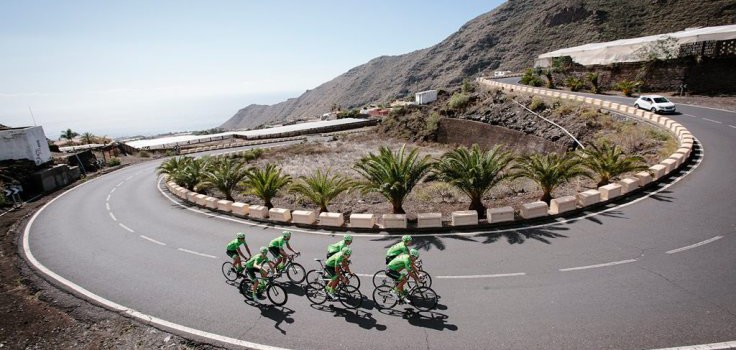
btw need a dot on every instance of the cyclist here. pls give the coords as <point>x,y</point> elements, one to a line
<point>276,247</point>
<point>395,267</point>
<point>233,251</point>
<point>256,264</point>
<point>332,249</point>
<point>335,267</point>
<point>398,248</point>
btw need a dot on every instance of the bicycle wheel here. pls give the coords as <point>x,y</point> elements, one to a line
<point>427,280</point>
<point>313,276</point>
<point>350,296</point>
<point>316,293</point>
<point>277,294</point>
<point>353,279</point>
<point>383,297</point>
<point>296,273</point>
<point>379,278</point>
<point>423,298</point>
<point>228,270</point>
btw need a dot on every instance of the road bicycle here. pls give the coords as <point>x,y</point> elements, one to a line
<point>420,297</point>
<point>348,295</point>
<point>380,277</point>
<point>294,271</point>
<point>230,273</point>
<point>274,291</point>
<point>314,275</point>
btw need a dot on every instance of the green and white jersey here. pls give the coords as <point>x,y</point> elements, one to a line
<point>334,248</point>
<point>398,248</point>
<point>277,242</point>
<point>335,260</point>
<point>400,262</point>
<point>234,244</point>
<point>257,259</point>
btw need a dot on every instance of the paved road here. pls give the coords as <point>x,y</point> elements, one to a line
<point>654,273</point>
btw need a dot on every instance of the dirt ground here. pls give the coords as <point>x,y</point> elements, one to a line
<point>38,315</point>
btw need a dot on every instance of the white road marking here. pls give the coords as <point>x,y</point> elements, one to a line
<point>108,198</point>
<point>689,115</point>
<point>126,227</point>
<point>113,190</point>
<point>196,253</point>
<point>673,251</point>
<point>613,263</point>
<point>120,184</point>
<point>711,346</point>
<point>108,206</point>
<point>732,126</point>
<point>711,120</point>
<point>485,276</point>
<point>115,306</point>
<point>152,240</point>
<point>112,216</point>
<point>128,178</point>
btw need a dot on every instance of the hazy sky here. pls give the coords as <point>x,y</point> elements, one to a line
<point>142,67</point>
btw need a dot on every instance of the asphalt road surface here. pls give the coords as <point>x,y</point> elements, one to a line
<point>657,272</point>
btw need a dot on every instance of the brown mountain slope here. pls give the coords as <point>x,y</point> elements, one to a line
<point>509,37</point>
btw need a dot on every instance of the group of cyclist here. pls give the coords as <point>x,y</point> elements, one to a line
<point>400,261</point>
<point>259,263</point>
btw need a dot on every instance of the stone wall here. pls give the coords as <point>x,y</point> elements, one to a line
<point>468,132</point>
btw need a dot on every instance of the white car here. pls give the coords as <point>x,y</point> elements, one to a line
<point>655,104</point>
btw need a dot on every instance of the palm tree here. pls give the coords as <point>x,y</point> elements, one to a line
<point>474,172</point>
<point>88,138</point>
<point>393,175</point>
<point>321,188</point>
<point>265,183</point>
<point>185,171</point>
<point>609,161</point>
<point>225,174</point>
<point>549,171</point>
<point>68,134</point>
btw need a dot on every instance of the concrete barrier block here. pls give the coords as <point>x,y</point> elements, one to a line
<point>580,98</point>
<point>644,178</point>
<point>588,100</point>
<point>609,191</point>
<point>279,214</point>
<point>534,210</point>
<point>240,208</point>
<point>331,219</point>
<point>606,104</point>
<point>394,221</point>
<point>685,151</point>
<point>211,202</point>
<point>502,214</point>
<point>658,171</point>
<point>225,205</point>
<point>556,94</point>
<point>182,193</point>
<point>669,123</point>
<point>679,158</point>
<point>258,211</point>
<point>671,164</point>
<point>464,218</point>
<point>629,184</point>
<point>362,220</point>
<point>307,217</point>
<point>192,197</point>
<point>562,204</point>
<point>588,197</point>
<point>429,220</point>
<point>597,102</point>
<point>200,199</point>
<point>631,110</point>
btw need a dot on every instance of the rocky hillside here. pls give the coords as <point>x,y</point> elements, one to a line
<point>509,37</point>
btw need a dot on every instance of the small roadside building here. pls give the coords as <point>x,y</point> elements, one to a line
<point>425,97</point>
<point>24,143</point>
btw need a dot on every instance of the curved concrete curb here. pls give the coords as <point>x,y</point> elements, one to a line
<point>497,217</point>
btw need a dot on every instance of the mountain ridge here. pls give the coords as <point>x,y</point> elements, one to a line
<point>508,37</point>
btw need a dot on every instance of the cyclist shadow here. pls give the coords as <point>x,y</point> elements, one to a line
<point>427,319</point>
<point>279,314</point>
<point>294,289</point>
<point>363,319</point>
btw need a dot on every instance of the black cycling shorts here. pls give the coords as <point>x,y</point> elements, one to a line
<point>232,253</point>
<point>330,271</point>
<point>252,272</point>
<point>330,254</point>
<point>276,252</point>
<point>395,275</point>
<point>389,258</point>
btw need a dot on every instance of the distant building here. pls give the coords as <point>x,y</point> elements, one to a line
<point>24,143</point>
<point>424,97</point>
<point>501,73</point>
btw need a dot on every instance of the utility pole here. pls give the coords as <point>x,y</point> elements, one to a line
<point>32,117</point>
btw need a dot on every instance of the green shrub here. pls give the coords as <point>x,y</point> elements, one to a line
<point>531,77</point>
<point>144,154</point>
<point>433,121</point>
<point>574,83</point>
<point>113,161</point>
<point>458,101</point>
<point>658,134</point>
<point>627,87</point>
<point>537,104</point>
<point>593,79</point>
<point>438,191</point>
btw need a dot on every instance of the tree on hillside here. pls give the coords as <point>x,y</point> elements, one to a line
<point>225,174</point>
<point>265,183</point>
<point>321,187</point>
<point>68,134</point>
<point>609,161</point>
<point>88,138</point>
<point>550,171</point>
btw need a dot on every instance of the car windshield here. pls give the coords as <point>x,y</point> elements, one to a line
<point>660,100</point>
